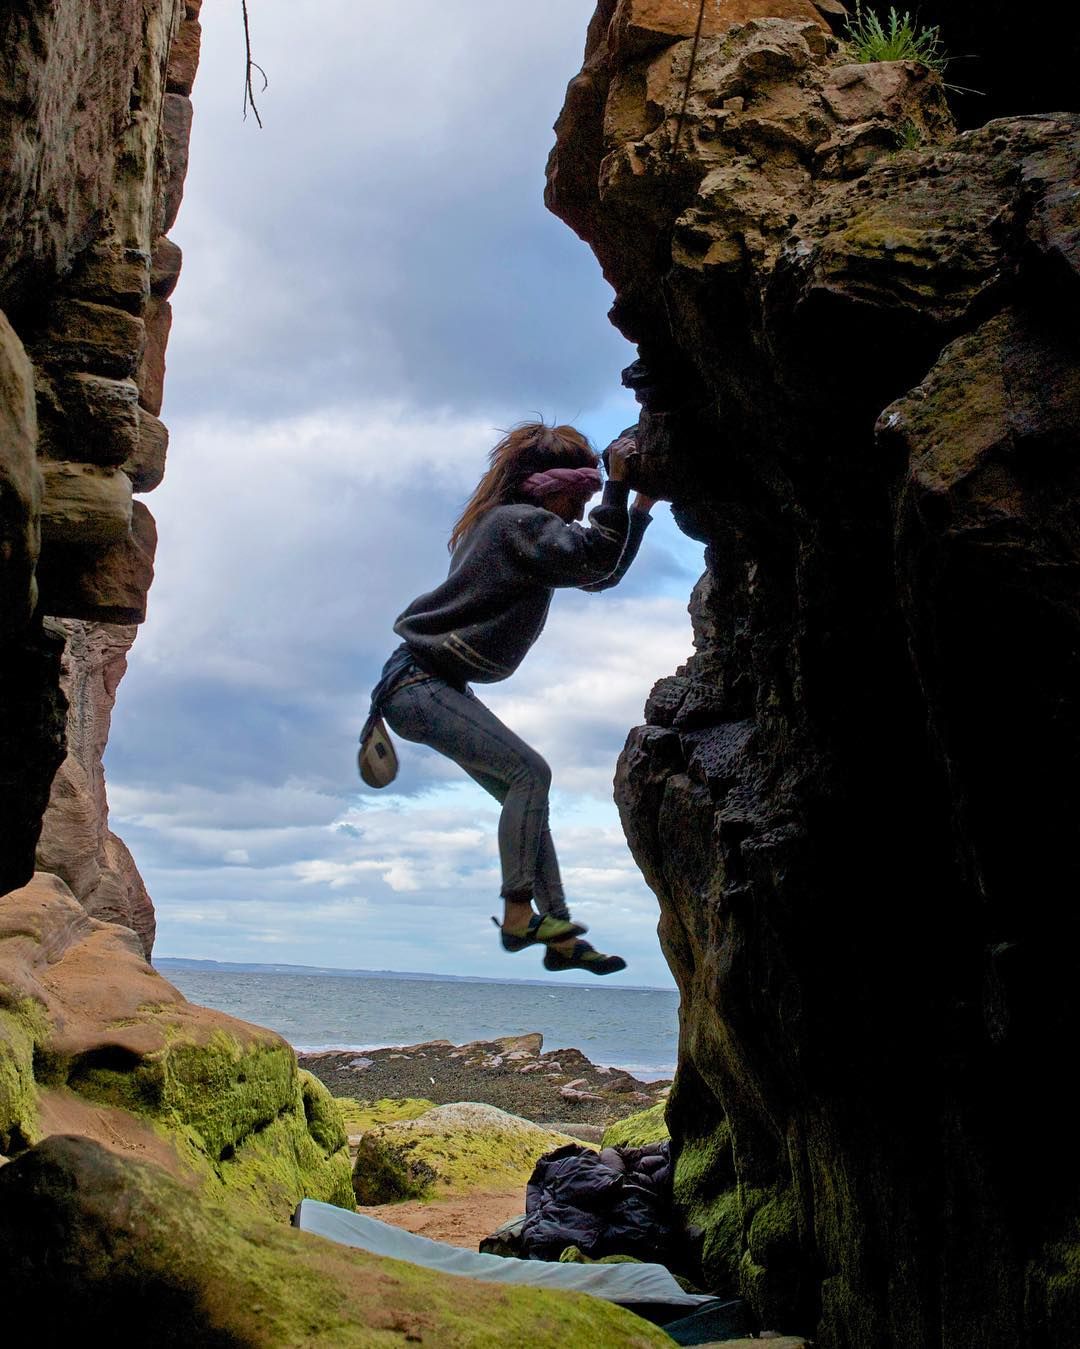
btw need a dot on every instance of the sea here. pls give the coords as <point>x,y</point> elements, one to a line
<point>318,1009</point>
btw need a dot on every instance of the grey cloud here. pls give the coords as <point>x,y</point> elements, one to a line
<point>385,232</point>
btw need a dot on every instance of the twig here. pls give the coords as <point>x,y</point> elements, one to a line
<point>686,86</point>
<point>249,92</point>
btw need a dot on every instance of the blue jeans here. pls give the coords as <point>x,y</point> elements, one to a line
<point>456,723</point>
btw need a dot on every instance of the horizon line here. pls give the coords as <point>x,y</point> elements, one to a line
<point>273,967</point>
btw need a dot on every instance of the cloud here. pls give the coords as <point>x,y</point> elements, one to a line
<point>371,292</point>
<point>384,233</point>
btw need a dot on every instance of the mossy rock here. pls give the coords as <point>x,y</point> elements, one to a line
<point>22,1025</point>
<point>90,1032</point>
<point>707,1196</point>
<point>638,1131</point>
<point>360,1116</point>
<point>574,1255</point>
<point>451,1149</point>
<point>141,1250</point>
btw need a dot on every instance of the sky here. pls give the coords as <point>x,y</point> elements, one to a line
<point>372,291</point>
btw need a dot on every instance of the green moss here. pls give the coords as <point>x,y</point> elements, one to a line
<point>449,1150</point>
<point>636,1131</point>
<point>22,1025</point>
<point>774,1230</point>
<point>1053,1296</point>
<point>574,1255</point>
<point>325,1119</point>
<point>705,1168</point>
<point>722,1223</point>
<point>359,1116</point>
<point>386,1173</point>
<point>282,1164</point>
<point>708,1198</point>
<point>243,1117</point>
<point>136,1240</point>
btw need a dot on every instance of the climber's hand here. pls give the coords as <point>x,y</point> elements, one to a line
<point>616,457</point>
<point>643,503</point>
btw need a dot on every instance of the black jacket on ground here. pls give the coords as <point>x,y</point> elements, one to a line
<point>615,1202</point>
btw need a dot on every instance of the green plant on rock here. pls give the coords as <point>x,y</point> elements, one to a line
<point>896,39</point>
<point>909,135</point>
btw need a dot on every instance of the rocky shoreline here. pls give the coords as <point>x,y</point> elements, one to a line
<point>561,1087</point>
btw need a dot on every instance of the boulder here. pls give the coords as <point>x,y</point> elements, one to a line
<point>67,92</point>
<point>94,1041</point>
<point>176,115</point>
<point>99,338</point>
<point>166,261</point>
<point>82,139</point>
<point>451,1149</point>
<point>151,376</point>
<point>184,57</point>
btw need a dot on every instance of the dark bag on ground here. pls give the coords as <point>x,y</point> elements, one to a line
<point>615,1202</point>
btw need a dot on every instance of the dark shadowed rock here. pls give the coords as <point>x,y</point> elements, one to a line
<point>856,802</point>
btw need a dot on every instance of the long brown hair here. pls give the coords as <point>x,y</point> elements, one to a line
<point>527,449</point>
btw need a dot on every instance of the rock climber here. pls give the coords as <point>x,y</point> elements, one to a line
<point>518,538</point>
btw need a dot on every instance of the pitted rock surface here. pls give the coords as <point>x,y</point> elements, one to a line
<point>860,386</point>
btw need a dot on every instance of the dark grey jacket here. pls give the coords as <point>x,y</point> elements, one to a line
<point>478,625</point>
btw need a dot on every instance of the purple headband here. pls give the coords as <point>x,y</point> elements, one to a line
<point>583,481</point>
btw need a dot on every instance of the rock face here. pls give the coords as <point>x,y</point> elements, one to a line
<point>94,120</point>
<point>860,382</point>
<point>76,843</point>
<point>94,1041</point>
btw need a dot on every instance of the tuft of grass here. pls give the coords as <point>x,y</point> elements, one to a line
<point>909,135</point>
<point>895,39</point>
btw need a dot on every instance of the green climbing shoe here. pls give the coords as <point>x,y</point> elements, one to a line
<point>583,957</point>
<point>541,930</point>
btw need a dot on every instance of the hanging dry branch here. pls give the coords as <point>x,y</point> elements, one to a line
<point>251,66</point>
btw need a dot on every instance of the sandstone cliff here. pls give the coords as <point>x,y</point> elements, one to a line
<point>94,121</point>
<point>857,802</point>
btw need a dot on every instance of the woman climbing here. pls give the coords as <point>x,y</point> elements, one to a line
<point>517,539</point>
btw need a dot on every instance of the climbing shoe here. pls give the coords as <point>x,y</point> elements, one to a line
<point>541,930</point>
<point>583,957</point>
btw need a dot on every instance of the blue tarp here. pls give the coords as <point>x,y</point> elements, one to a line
<point>633,1284</point>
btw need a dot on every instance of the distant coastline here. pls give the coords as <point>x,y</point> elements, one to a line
<point>165,963</point>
